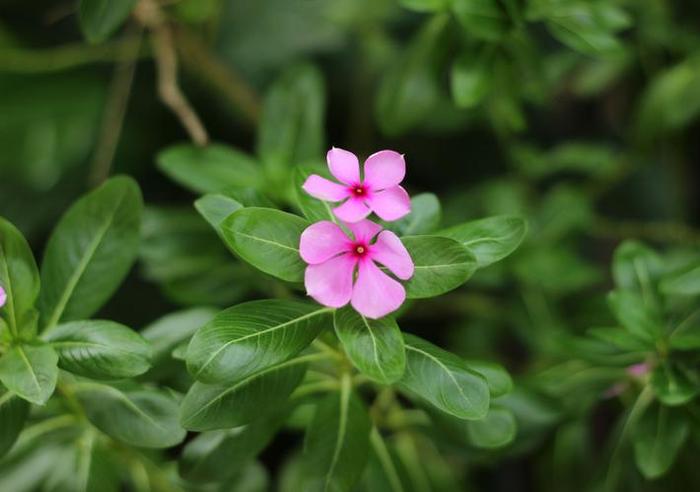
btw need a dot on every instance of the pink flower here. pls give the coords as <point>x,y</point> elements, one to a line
<point>333,258</point>
<point>377,191</point>
<point>3,297</point>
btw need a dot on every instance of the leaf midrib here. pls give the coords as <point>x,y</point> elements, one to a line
<point>267,241</point>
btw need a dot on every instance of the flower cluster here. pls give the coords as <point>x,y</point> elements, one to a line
<point>342,257</point>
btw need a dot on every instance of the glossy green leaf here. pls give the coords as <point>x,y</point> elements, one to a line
<point>218,455</point>
<point>632,313</point>
<point>337,442</point>
<point>581,26</point>
<point>246,338</point>
<point>658,437</point>
<point>470,80</point>
<point>424,218</point>
<point>166,333</point>
<point>674,384</point>
<point>267,239</point>
<point>209,169</point>
<point>19,277</point>
<point>13,414</point>
<point>441,264</point>
<point>312,208</point>
<point>30,371</point>
<point>483,19</point>
<point>90,251</point>
<point>136,415</point>
<point>497,377</point>
<point>100,349</point>
<point>223,406</point>
<point>292,123</point>
<point>215,207</point>
<point>490,239</point>
<point>683,284</point>
<point>444,380</point>
<point>496,430</point>
<point>375,347</point>
<point>99,19</point>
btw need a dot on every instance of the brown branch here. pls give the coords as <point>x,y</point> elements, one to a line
<point>149,14</point>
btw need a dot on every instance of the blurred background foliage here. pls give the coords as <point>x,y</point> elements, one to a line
<point>580,115</point>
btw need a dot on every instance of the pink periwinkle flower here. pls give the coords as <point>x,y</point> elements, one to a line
<point>638,370</point>
<point>334,257</point>
<point>3,297</point>
<point>376,191</point>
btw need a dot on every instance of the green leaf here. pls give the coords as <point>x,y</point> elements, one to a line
<point>425,5</point>
<point>90,251</point>
<point>215,207</point>
<point>470,80</point>
<point>136,415</point>
<point>658,437</point>
<point>674,384</point>
<point>87,465</point>
<point>100,349</point>
<point>30,371</point>
<point>483,19</point>
<point>631,312</point>
<point>312,208</point>
<point>337,442</point>
<point>580,26</point>
<point>683,284</point>
<point>497,377</point>
<point>268,239</point>
<point>375,347</point>
<point>496,430</point>
<point>292,123</point>
<point>99,19</point>
<point>166,333</point>
<point>636,267</point>
<point>441,264</point>
<point>209,169</point>
<point>686,335</point>
<point>18,276</point>
<point>13,414</point>
<point>411,87</point>
<point>490,239</point>
<point>246,338</point>
<point>223,406</point>
<point>620,338</point>
<point>444,380</point>
<point>424,217</point>
<point>218,455</point>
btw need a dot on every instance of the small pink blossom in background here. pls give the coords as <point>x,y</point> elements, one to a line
<point>638,370</point>
<point>376,191</point>
<point>3,297</point>
<point>333,258</point>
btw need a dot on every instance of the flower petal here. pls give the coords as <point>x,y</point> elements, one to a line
<point>353,210</point>
<point>390,252</point>
<point>384,169</point>
<point>344,166</point>
<point>324,189</point>
<point>322,241</point>
<point>3,297</point>
<point>330,283</point>
<point>390,204</point>
<point>364,230</point>
<point>375,294</point>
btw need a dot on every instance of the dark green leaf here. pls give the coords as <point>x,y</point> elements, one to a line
<point>337,442</point>
<point>483,19</point>
<point>424,217</point>
<point>252,336</point>
<point>686,335</point>
<point>13,414</point>
<point>444,380</point>
<point>100,18</point>
<point>209,169</point>
<point>636,268</point>
<point>580,26</point>
<point>490,239</point>
<point>267,239</point>
<point>19,277</point>
<point>674,384</point>
<point>215,207</point>
<point>441,264</point>
<point>30,371</point>
<point>470,80</point>
<point>375,347</point>
<point>495,430</point>
<point>135,415</point>
<point>683,284</point>
<point>168,332</point>
<point>631,312</point>
<point>425,5</point>
<point>90,251</point>
<point>223,406</point>
<point>100,349</point>
<point>658,437</point>
<point>497,377</point>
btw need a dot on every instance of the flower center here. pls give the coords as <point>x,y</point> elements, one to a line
<point>360,249</point>
<point>359,190</point>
